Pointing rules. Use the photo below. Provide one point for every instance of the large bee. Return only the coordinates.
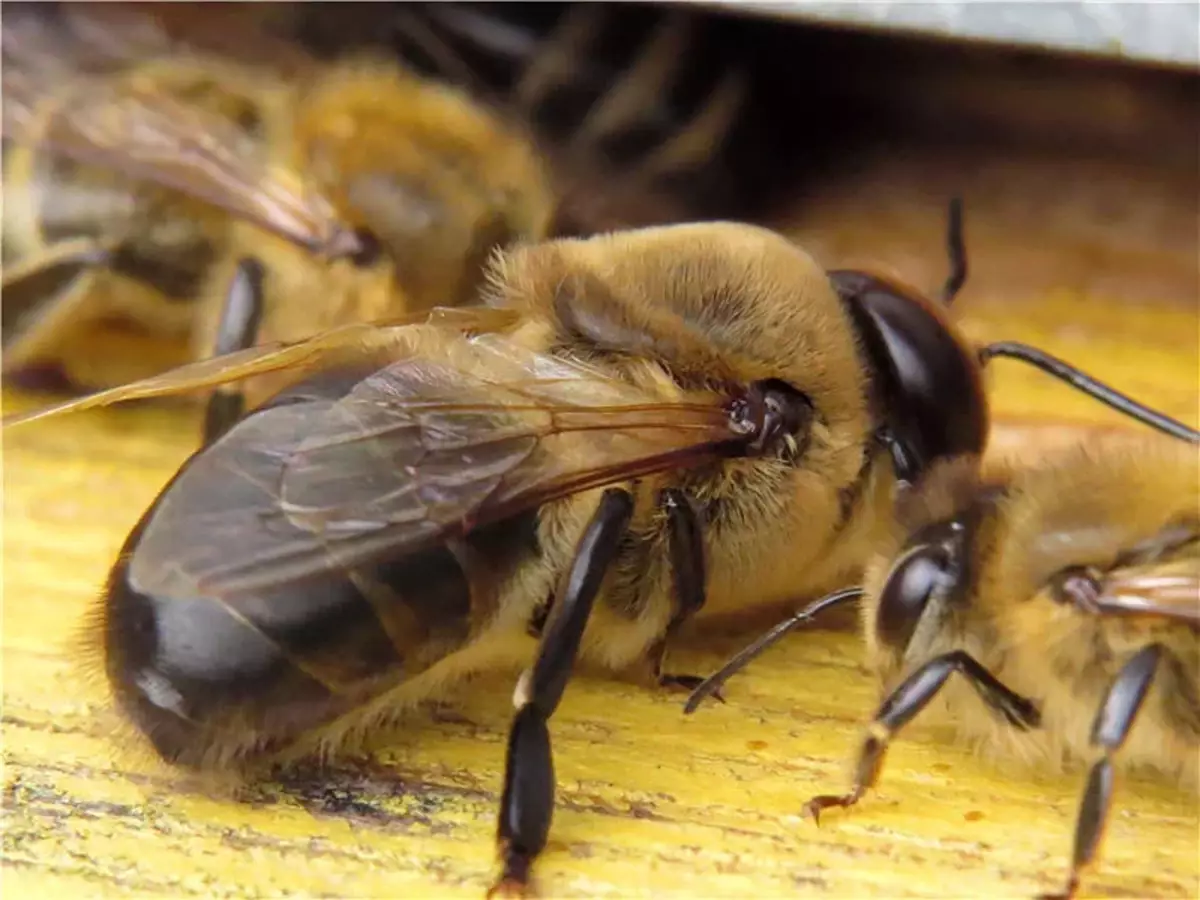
(1067, 597)
(640, 429)
(354, 189)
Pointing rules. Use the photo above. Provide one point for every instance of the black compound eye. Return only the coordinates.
(910, 584)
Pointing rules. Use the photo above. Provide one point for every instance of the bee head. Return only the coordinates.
(927, 385)
(930, 569)
(912, 585)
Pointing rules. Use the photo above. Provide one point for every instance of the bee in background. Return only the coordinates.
(1067, 597)
(646, 427)
(353, 188)
(366, 193)
(87, 238)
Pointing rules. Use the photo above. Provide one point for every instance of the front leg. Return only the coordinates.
(685, 541)
(527, 804)
(906, 701)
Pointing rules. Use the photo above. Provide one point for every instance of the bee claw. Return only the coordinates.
(509, 888)
(513, 883)
(812, 811)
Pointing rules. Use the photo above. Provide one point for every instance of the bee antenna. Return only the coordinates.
(956, 248)
(713, 683)
(1090, 386)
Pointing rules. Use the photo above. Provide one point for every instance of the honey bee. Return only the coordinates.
(1067, 597)
(639, 429)
(354, 189)
(365, 193)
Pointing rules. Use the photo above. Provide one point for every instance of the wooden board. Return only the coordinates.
(650, 803)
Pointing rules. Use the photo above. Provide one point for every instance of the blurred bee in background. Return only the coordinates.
(188, 156)
(360, 191)
(663, 423)
(100, 221)
(1067, 597)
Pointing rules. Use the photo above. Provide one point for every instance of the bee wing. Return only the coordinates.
(70, 85)
(315, 352)
(148, 135)
(1166, 589)
(428, 448)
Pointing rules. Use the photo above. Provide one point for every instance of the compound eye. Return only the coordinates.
(910, 584)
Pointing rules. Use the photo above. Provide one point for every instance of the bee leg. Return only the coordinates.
(528, 800)
(686, 544)
(237, 330)
(45, 295)
(906, 701)
(1109, 729)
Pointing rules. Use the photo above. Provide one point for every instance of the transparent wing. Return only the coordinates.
(432, 446)
(359, 340)
(1168, 589)
(72, 87)
(150, 136)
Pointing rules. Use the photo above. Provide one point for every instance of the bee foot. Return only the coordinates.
(812, 809)
(514, 882)
(1066, 894)
(687, 683)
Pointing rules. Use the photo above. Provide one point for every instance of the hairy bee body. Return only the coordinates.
(214, 680)
(430, 181)
(1124, 513)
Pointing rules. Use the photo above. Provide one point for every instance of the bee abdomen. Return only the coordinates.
(205, 679)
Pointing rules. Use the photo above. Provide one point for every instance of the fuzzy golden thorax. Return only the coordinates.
(695, 311)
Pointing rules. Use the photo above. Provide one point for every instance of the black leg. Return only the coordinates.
(685, 538)
(528, 800)
(906, 701)
(712, 684)
(237, 330)
(1113, 720)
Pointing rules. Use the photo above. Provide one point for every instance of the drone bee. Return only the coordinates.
(639, 429)
(354, 188)
(1067, 597)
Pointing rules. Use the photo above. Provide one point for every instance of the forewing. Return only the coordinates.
(322, 350)
(1169, 589)
(432, 447)
(225, 505)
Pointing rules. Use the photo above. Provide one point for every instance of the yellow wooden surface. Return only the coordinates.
(650, 803)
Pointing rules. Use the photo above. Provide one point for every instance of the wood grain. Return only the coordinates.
(1085, 259)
